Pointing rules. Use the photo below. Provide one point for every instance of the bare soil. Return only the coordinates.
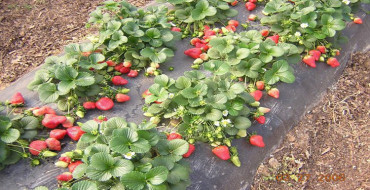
(329, 149)
(31, 30)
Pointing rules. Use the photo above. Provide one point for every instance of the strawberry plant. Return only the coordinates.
(121, 155)
(73, 78)
(252, 58)
(309, 23)
(209, 109)
(128, 34)
(192, 16)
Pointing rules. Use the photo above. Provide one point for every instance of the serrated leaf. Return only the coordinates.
(84, 79)
(29, 122)
(84, 185)
(48, 93)
(242, 123)
(214, 115)
(157, 175)
(134, 180)
(10, 135)
(79, 171)
(178, 147)
(65, 72)
(183, 82)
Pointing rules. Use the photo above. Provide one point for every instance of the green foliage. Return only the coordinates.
(130, 34)
(308, 23)
(192, 15)
(125, 155)
(208, 109)
(246, 55)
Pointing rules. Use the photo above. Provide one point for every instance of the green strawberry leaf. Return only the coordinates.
(84, 185)
(157, 175)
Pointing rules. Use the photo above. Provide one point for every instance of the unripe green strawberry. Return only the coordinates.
(235, 160)
(61, 164)
(198, 61)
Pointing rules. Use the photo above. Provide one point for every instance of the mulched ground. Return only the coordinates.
(332, 141)
(32, 30)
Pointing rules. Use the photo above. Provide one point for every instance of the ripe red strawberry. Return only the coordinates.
(118, 81)
(127, 64)
(66, 176)
(260, 85)
(193, 52)
(176, 29)
(261, 119)
(333, 62)
(263, 110)
(206, 28)
(125, 70)
(43, 110)
(190, 151)
(250, 6)
(257, 95)
(315, 53)
(65, 159)
(69, 122)
(231, 28)
(252, 17)
(257, 140)
(174, 136)
(322, 49)
(222, 152)
(274, 38)
(51, 121)
(133, 73)
(72, 166)
(118, 67)
(309, 60)
(274, 92)
(194, 41)
(265, 33)
(104, 103)
(58, 134)
(203, 47)
(111, 63)
(357, 20)
(209, 33)
(53, 144)
(234, 3)
(37, 146)
(122, 97)
(75, 133)
(89, 105)
(146, 93)
(233, 22)
(337, 52)
(17, 99)
(252, 1)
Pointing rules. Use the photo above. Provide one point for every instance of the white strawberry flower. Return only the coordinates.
(297, 34)
(304, 25)
(225, 113)
(225, 122)
(129, 155)
(171, 95)
(347, 2)
(217, 123)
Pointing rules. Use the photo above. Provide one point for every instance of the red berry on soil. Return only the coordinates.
(51, 121)
(252, 17)
(333, 62)
(65, 159)
(261, 119)
(125, 70)
(309, 60)
(190, 151)
(53, 144)
(104, 103)
(252, 1)
(118, 67)
(322, 49)
(257, 140)
(111, 63)
(17, 99)
(231, 28)
(174, 136)
(194, 41)
(274, 38)
(75, 133)
(234, 3)
(89, 105)
(250, 6)
(127, 64)
(265, 33)
(233, 22)
(274, 92)
(357, 20)
(133, 73)
(72, 166)
(37, 146)
(193, 52)
(257, 95)
(118, 81)
(315, 53)
(66, 176)
(260, 85)
(69, 122)
(222, 152)
(176, 29)
(122, 97)
(58, 134)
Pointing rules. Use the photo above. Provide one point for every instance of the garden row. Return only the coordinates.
(214, 109)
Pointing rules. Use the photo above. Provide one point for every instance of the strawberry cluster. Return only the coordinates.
(70, 160)
(319, 54)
